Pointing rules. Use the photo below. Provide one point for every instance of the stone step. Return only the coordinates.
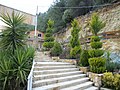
(63, 84)
(53, 67)
(56, 80)
(82, 86)
(92, 88)
(51, 64)
(56, 75)
(54, 71)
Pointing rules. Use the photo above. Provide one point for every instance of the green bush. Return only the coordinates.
(95, 53)
(97, 65)
(84, 58)
(96, 45)
(95, 39)
(56, 50)
(111, 81)
(116, 82)
(108, 79)
(48, 34)
(48, 44)
(75, 52)
(50, 39)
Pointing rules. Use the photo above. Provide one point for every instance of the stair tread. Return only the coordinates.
(45, 75)
(56, 70)
(59, 84)
(78, 86)
(92, 88)
(60, 78)
(53, 66)
(52, 63)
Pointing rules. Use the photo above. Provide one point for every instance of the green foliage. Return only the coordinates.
(111, 81)
(75, 52)
(13, 35)
(95, 39)
(108, 79)
(97, 65)
(67, 17)
(48, 34)
(95, 53)
(95, 24)
(74, 41)
(56, 50)
(57, 14)
(116, 82)
(96, 45)
(15, 58)
(48, 44)
(84, 58)
(14, 68)
(49, 40)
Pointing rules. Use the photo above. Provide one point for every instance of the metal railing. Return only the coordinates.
(29, 82)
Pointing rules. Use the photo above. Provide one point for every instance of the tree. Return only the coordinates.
(13, 35)
(49, 39)
(67, 17)
(74, 41)
(97, 63)
(95, 24)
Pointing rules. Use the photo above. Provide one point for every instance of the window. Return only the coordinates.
(39, 35)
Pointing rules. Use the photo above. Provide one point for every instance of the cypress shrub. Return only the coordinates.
(49, 40)
(84, 58)
(74, 41)
(56, 50)
(97, 63)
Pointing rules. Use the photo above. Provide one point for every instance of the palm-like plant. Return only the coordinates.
(22, 65)
(14, 33)
(5, 70)
(95, 24)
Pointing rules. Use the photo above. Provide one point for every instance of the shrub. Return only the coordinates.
(95, 39)
(116, 82)
(56, 50)
(75, 52)
(95, 53)
(96, 45)
(97, 65)
(47, 34)
(111, 81)
(108, 79)
(50, 39)
(84, 58)
(48, 44)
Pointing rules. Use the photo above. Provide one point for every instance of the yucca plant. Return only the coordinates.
(5, 71)
(14, 33)
(22, 65)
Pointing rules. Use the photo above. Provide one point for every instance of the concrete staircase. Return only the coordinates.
(49, 75)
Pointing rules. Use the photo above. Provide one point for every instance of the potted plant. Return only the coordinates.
(96, 62)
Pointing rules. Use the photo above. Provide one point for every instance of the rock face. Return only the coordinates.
(110, 15)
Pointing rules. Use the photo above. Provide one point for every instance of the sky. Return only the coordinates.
(29, 6)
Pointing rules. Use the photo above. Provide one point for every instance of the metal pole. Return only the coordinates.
(36, 22)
